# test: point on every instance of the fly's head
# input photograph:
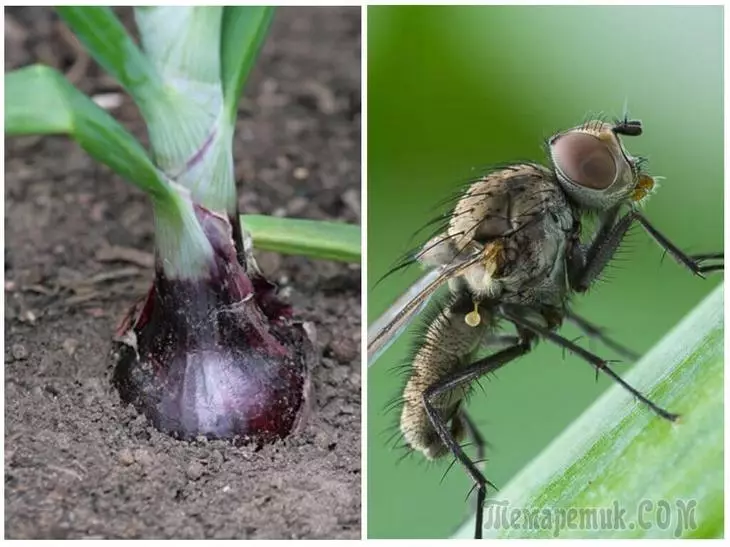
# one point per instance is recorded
(594, 168)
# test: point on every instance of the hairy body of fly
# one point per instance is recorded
(524, 210)
(448, 344)
(522, 215)
(511, 250)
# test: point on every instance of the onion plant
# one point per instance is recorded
(211, 350)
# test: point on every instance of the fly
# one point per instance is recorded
(512, 252)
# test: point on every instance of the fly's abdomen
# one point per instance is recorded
(447, 344)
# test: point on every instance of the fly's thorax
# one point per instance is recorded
(500, 202)
(594, 167)
(536, 271)
(519, 218)
(447, 344)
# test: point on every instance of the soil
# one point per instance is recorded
(78, 463)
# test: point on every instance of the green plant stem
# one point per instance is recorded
(619, 453)
(178, 41)
(183, 43)
(204, 54)
(181, 245)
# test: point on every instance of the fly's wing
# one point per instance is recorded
(384, 330)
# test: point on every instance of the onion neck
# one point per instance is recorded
(183, 250)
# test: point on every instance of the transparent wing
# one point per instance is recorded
(386, 329)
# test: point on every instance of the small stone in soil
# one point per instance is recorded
(63, 442)
(142, 457)
(70, 345)
(194, 471)
(215, 460)
(19, 352)
(301, 173)
(344, 350)
(28, 317)
(126, 457)
(322, 440)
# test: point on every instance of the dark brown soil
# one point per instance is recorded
(77, 462)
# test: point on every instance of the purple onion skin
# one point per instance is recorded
(209, 360)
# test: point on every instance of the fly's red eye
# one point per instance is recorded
(585, 160)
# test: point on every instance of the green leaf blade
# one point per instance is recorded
(618, 453)
(316, 239)
(31, 107)
(40, 101)
(244, 31)
(108, 42)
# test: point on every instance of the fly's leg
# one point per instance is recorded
(502, 340)
(586, 265)
(455, 381)
(472, 431)
(696, 264)
(474, 434)
(476, 438)
(512, 314)
(709, 256)
(594, 331)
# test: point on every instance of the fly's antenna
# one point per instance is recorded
(625, 125)
(625, 109)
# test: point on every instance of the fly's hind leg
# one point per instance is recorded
(475, 436)
(455, 381)
(477, 439)
(469, 426)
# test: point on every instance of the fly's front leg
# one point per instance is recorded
(697, 264)
(455, 381)
(587, 263)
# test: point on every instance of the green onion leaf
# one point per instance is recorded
(312, 238)
(108, 43)
(244, 30)
(39, 100)
(619, 452)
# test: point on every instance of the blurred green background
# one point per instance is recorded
(456, 88)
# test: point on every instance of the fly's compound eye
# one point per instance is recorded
(585, 160)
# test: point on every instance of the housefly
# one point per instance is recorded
(512, 251)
